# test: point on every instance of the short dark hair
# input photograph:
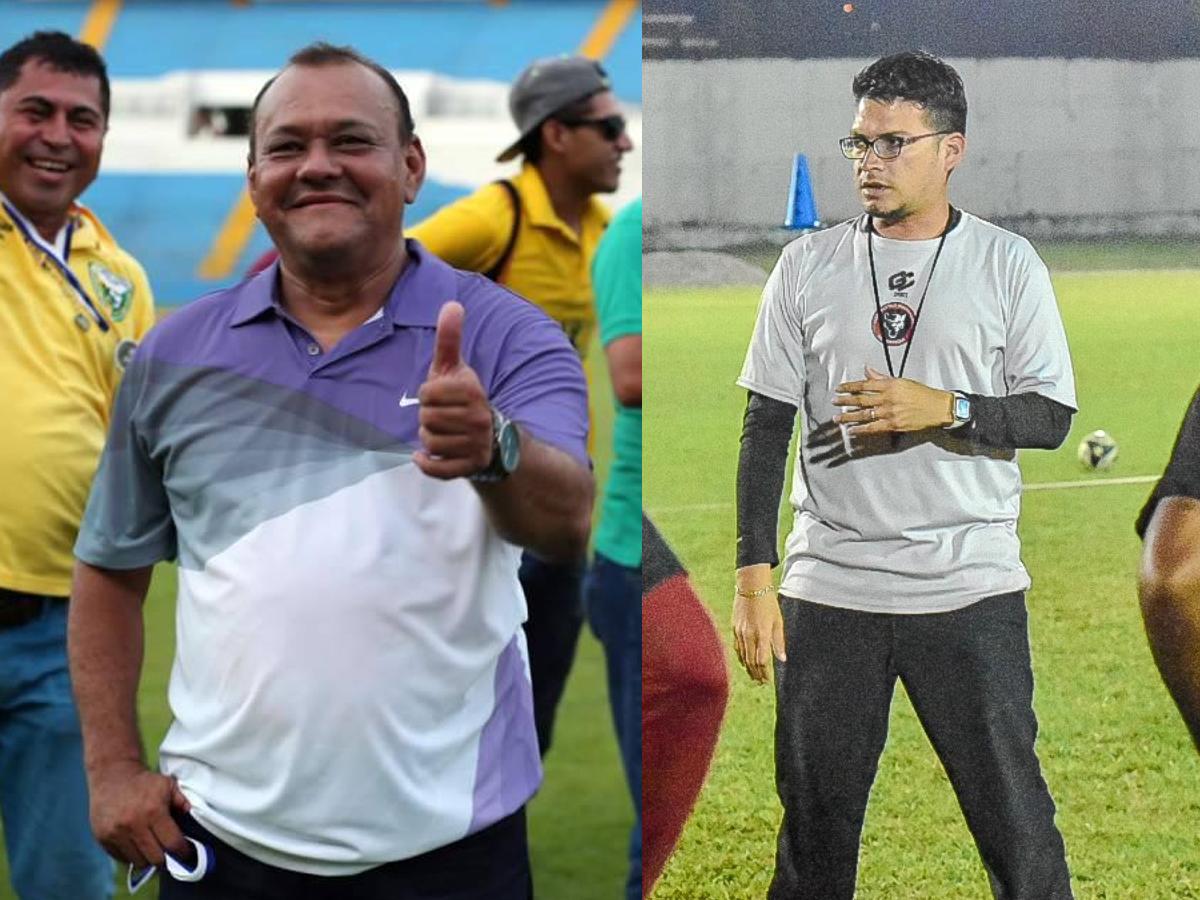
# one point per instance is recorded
(530, 146)
(919, 78)
(62, 53)
(325, 54)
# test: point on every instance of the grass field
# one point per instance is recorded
(1114, 751)
(578, 823)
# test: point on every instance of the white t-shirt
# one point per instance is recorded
(922, 522)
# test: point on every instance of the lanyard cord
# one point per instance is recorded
(63, 269)
(912, 334)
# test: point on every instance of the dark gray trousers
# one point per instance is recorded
(969, 677)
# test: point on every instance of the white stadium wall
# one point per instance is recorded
(1079, 146)
(463, 124)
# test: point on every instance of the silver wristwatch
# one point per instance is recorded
(960, 409)
(506, 450)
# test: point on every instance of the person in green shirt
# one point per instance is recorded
(613, 594)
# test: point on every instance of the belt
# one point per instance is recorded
(18, 608)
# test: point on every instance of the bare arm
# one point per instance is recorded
(129, 803)
(1169, 590)
(545, 505)
(624, 356)
(105, 647)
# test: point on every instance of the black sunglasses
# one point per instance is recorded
(610, 127)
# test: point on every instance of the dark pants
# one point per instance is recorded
(614, 610)
(492, 864)
(968, 675)
(554, 595)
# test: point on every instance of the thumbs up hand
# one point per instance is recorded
(447, 343)
(455, 418)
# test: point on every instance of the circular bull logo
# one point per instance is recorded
(893, 324)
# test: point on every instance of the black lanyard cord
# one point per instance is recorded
(60, 265)
(912, 332)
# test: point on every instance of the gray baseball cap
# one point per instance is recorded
(545, 87)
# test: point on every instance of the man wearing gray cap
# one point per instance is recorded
(536, 233)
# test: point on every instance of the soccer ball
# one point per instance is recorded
(1097, 451)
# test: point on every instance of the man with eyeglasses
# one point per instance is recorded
(924, 347)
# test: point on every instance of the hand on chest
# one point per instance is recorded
(935, 323)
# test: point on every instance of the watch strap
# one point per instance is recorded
(495, 470)
(960, 409)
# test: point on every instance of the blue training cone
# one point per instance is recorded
(802, 208)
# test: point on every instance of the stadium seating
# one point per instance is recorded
(184, 75)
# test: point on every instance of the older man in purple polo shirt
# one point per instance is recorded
(345, 454)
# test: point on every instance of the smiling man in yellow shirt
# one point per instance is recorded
(72, 307)
(572, 140)
(537, 233)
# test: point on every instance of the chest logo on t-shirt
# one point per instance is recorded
(901, 281)
(895, 325)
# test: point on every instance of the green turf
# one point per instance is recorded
(580, 820)
(1162, 253)
(1115, 753)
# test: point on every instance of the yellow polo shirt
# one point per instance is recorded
(59, 371)
(550, 263)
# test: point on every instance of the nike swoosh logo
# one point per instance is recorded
(406, 400)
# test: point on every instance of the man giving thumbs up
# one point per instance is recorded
(345, 454)
(463, 435)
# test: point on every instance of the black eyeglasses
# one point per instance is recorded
(610, 127)
(886, 146)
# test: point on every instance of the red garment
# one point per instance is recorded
(262, 262)
(685, 685)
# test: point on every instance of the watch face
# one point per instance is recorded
(962, 409)
(510, 446)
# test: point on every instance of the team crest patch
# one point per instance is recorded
(895, 326)
(114, 291)
(124, 353)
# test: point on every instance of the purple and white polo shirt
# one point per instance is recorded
(350, 684)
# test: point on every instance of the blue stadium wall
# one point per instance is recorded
(169, 221)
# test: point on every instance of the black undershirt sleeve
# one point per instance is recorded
(1018, 421)
(762, 465)
(1182, 477)
(659, 562)
(1027, 420)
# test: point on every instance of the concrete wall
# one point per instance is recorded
(1086, 145)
